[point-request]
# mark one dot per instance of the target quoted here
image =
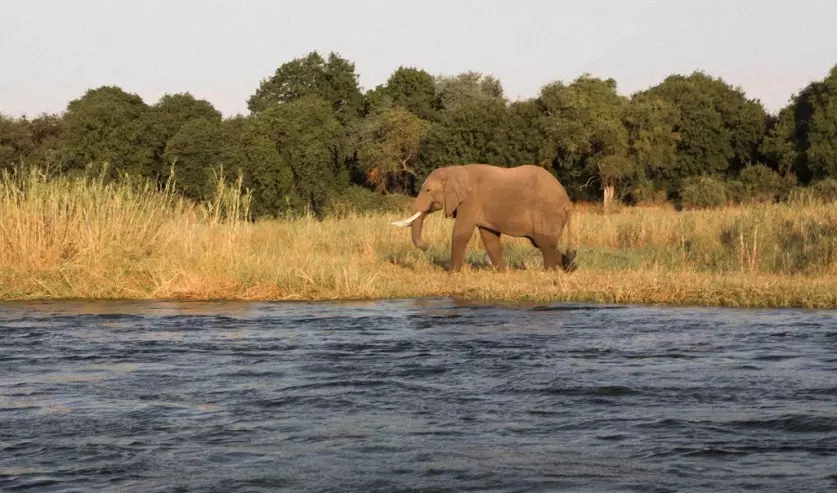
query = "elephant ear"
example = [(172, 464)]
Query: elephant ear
[(456, 188)]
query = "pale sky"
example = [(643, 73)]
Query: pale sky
[(53, 51)]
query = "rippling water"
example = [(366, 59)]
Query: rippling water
[(431, 395)]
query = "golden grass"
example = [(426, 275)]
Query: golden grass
[(65, 238)]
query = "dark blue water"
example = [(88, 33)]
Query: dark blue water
[(415, 396)]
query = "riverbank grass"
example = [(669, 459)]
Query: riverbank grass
[(85, 238)]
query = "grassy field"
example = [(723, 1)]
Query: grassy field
[(64, 238)]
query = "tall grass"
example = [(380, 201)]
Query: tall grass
[(88, 238)]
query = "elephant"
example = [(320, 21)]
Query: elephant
[(522, 201)]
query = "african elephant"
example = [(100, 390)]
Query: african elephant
[(524, 201)]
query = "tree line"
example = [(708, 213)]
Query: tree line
[(312, 136)]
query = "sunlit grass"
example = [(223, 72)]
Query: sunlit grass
[(83, 238)]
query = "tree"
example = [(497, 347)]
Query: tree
[(388, 145), (312, 143), (45, 133), (783, 144), (25, 142), (583, 126), (15, 141), (822, 133), (803, 138), (172, 111), (204, 148), (720, 129), (169, 115), (334, 81), (517, 138), (266, 174), (465, 135), (196, 154), (467, 88), (108, 125), (407, 87), (652, 141)]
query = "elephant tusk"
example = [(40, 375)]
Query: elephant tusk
[(406, 222)]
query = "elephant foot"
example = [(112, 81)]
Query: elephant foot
[(568, 262)]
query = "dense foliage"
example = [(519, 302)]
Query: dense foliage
[(313, 138)]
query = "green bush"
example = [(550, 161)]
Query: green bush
[(703, 192), (737, 192), (762, 184), (645, 192), (357, 199)]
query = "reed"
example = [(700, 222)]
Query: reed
[(88, 238)]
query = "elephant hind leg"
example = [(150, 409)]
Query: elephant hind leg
[(491, 240), (548, 245), (532, 241)]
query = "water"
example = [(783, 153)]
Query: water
[(431, 395)]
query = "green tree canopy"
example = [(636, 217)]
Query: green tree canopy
[(410, 88), (803, 138), (204, 148), (652, 141), (169, 115), (312, 143), (333, 80), (467, 89), (196, 152), (466, 135), (388, 144), (584, 131), (517, 138), (311, 132), (719, 128), (45, 133), (15, 141), (108, 124)]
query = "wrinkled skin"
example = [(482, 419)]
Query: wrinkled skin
[(524, 201)]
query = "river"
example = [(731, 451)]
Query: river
[(414, 395)]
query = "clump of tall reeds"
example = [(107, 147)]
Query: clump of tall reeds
[(67, 236), (784, 238)]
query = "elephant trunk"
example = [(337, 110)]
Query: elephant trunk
[(416, 226)]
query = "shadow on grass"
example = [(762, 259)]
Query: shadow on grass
[(522, 258), (474, 260)]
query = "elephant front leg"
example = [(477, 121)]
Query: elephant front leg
[(491, 240), (461, 235)]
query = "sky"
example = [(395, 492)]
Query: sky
[(53, 51)]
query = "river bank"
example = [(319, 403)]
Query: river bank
[(66, 239)]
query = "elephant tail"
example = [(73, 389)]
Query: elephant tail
[(568, 262)]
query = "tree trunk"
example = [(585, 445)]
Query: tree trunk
[(609, 193)]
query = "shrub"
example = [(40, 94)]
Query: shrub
[(825, 190), (737, 192), (703, 192), (357, 199), (762, 184), (645, 192)]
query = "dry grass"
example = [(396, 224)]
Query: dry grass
[(66, 238)]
